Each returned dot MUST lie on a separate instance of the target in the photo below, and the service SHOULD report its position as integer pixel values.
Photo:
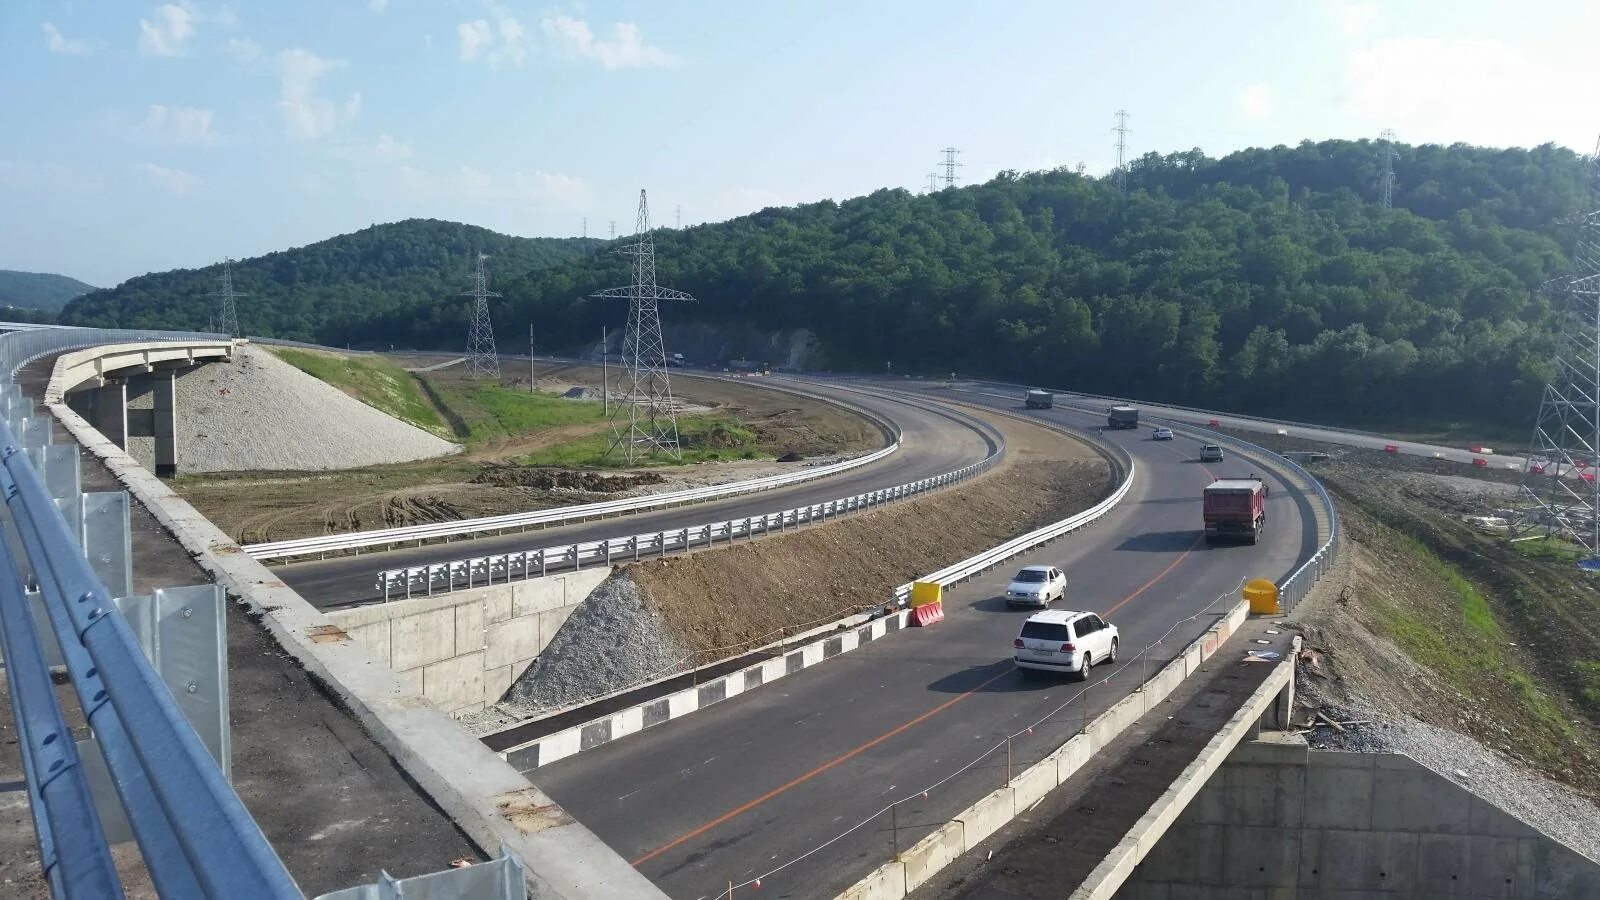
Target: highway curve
(739, 789)
(934, 440)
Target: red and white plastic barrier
(927, 614)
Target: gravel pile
(1569, 817)
(611, 641)
(260, 413)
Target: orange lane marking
(845, 757)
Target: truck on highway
(1122, 417)
(1037, 399)
(1235, 509)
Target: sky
(139, 137)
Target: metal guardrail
(388, 537)
(481, 571)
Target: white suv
(1064, 641)
(1036, 586)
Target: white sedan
(1161, 434)
(1036, 586)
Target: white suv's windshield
(1030, 575)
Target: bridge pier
(165, 422)
(110, 411)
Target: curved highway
(934, 440)
(744, 787)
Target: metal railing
(194, 834)
(482, 571)
(432, 531)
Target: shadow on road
(1160, 542)
(999, 677)
(998, 604)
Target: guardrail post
(635, 541)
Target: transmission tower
(1119, 176)
(950, 165)
(227, 321)
(585, 226)
(482, 360)
(933, 182)
(1560, 491)
(613, 229)
(643, 420)
(678, 212)
(1386, 148)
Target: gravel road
(260, 413)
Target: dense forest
(1267, 280)
(38, 290)
(333, 290)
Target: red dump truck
(1235, 509)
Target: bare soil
(1519, 677)
(721, 601)
(268, 506)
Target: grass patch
(1589, 678)
(374, 381)
(1551, 549)
(702, 439)
(486, 410)
(1464, 656)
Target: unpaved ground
(714, 605)
(268, 506)
(1399, 648)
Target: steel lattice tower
(643, 421)
(950, 165)
(1386, 186)
(1560, 491)
(482, 360)
(1119, 175)
(227, 321)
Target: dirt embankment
(743, 594)
(1452, 628)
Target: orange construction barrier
(1390, 448)
(927, 614)
(1479, 461)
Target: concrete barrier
(650, 713)
(991, 813)
(887, 882)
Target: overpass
(744, 800)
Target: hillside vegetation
(38, 290)
(1268, 280)
(332, 291)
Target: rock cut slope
(260, 413)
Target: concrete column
(111, 412)
(165, 425)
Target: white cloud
(471, 185)
(501, 45)
(626, 49)
(382, 150)
(1350, 17)
(58, 43)
(172, 28)
(1255, 101)
(174, 125)
(307, 115)
(244, 49)
(1479, 91)
(175, 180)
(377, 6)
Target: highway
(934, 440)
(738, 790)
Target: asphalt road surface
(934, 440)
(771, 777)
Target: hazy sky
(138, 137)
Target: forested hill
(38, 290)
(331, 290)
(1269, 280)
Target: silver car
(1036, 586)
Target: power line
(227, 321)
(950, 165)
(645, 399)
(482, 360)
(1560, 492)
(1119, 176)
(1386, 186)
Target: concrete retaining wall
(1289, 823)
(899, 877)
(463, 650)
